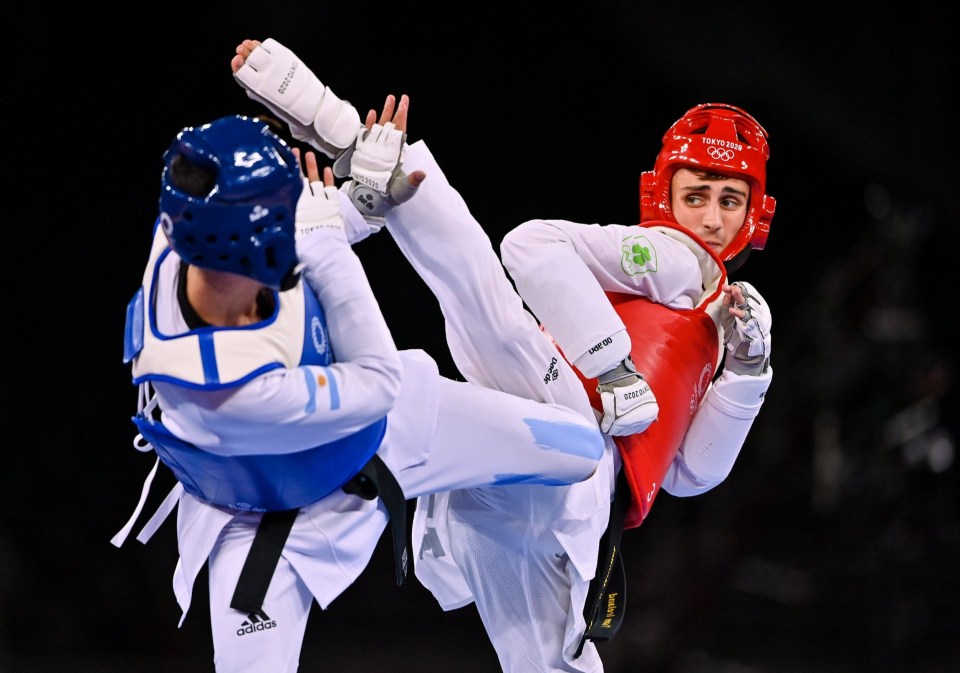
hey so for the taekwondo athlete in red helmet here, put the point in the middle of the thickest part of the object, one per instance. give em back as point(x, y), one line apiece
point(656, 293)
point(523, 554)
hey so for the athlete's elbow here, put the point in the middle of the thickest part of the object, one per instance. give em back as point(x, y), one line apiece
point(385, 374)
point(392, 382)
point(683, 482)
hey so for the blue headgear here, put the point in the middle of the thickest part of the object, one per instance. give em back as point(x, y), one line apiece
point(245, 225)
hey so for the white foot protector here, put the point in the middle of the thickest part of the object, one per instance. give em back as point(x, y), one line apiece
point(275, 77)
point(628, 409)
point(629, 405)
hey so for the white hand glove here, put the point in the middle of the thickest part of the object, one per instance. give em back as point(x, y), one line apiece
point(629, 406)
point(747, 339)
point(378, 181)
point(318, 208)
point(275, 77)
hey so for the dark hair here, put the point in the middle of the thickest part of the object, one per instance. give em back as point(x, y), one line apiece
point(709, 176)
point(191, 178)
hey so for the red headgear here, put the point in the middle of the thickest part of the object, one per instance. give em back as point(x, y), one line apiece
point(722, 139)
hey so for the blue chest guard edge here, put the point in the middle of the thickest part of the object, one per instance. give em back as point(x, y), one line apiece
point(251, 482)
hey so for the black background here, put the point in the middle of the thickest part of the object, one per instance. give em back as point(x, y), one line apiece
point(834, 544)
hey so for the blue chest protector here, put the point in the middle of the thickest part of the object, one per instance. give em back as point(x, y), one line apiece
point(213, 358)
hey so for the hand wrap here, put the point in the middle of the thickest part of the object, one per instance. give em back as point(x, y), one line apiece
point(318, 208)
point(378, 181)
point(747, 339)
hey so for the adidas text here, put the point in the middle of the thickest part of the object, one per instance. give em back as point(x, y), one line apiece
point(247, 627)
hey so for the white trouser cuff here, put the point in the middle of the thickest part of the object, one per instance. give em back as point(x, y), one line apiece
point(605, 355)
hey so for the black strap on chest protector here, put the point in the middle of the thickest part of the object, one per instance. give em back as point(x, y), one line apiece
point(607, 597)
point(375, 479)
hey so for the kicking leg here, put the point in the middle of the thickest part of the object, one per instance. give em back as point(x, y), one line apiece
point(506, 548)
point(273, 75)
point(486, 437)
point(494, 340)
point(528, 593)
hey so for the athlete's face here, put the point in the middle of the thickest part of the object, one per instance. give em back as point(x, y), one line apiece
point(713, 209)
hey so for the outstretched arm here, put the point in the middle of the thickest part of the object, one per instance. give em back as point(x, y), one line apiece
point(378, 180)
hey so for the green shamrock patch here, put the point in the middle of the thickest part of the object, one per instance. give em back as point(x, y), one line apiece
point(639, 256)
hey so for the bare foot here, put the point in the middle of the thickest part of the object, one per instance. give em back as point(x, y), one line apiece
point(244, 50)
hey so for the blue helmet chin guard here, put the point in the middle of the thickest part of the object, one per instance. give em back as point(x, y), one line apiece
point(245, 225)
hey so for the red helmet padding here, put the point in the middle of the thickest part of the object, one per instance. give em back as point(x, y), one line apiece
point(722, 139)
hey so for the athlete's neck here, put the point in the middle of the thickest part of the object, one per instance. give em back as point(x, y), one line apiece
point(223, 299)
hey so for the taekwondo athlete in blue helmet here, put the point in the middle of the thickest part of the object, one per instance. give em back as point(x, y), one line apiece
point(270, 385)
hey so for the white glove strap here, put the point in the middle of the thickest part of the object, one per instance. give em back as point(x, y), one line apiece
point(337, 122)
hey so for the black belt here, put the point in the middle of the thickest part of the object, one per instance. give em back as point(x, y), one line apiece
point(607, 597)
point(261, 560)
point(374, 479)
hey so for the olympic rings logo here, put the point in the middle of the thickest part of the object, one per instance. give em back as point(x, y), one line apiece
point(720, 153)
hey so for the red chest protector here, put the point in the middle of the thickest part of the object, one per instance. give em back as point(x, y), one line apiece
point(677, 351)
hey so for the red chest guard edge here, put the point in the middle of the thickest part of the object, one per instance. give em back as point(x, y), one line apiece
point(677, 352)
